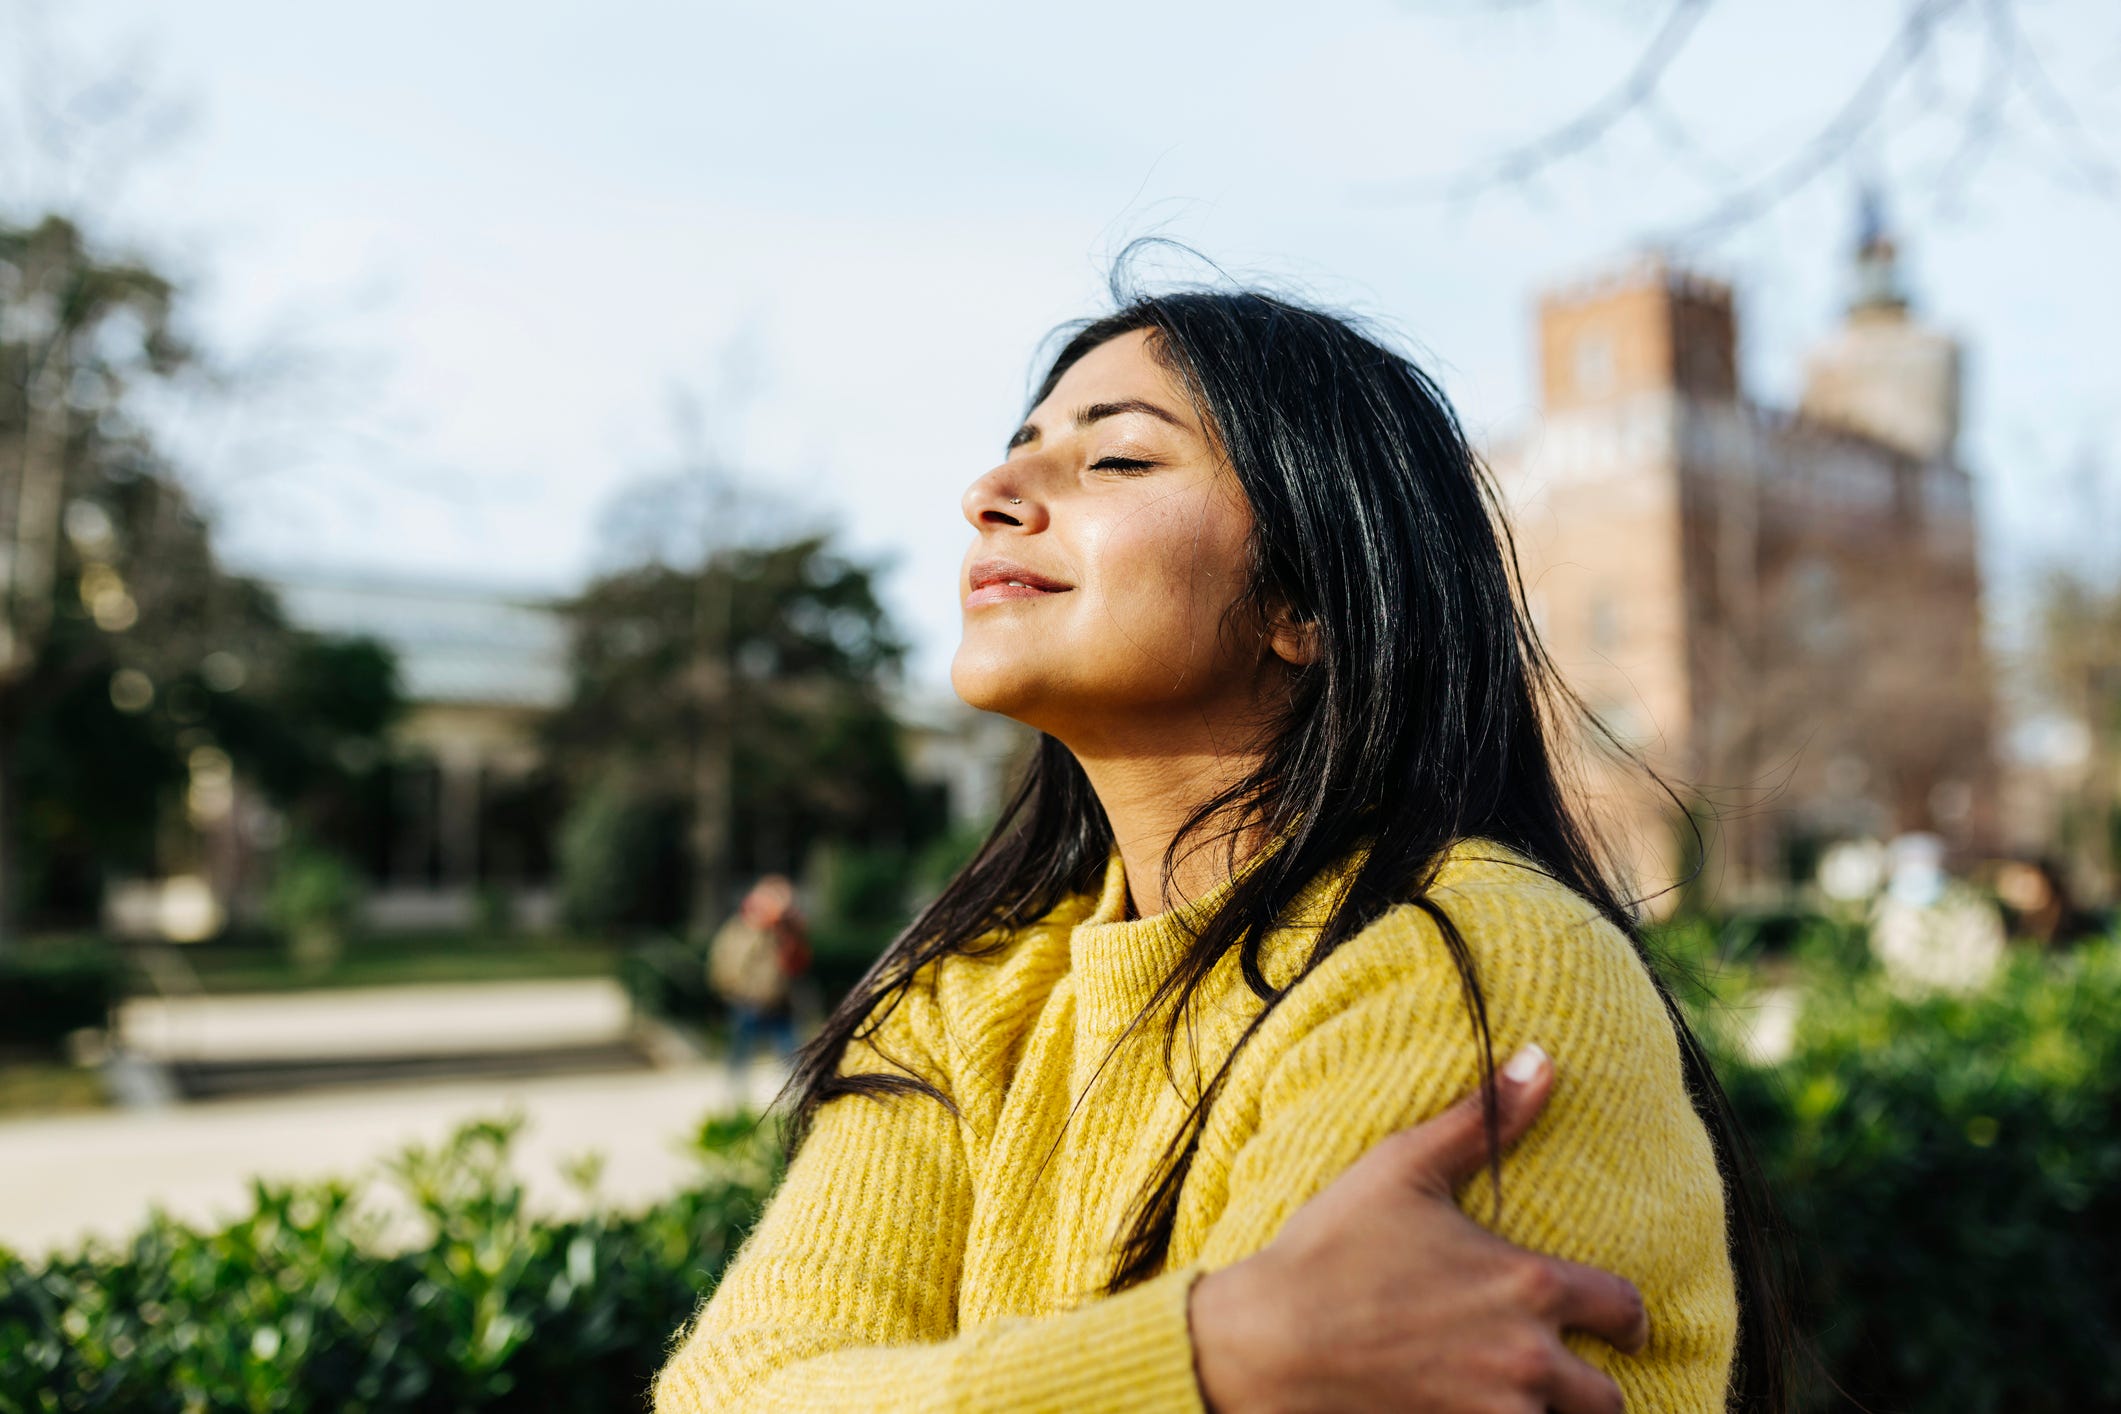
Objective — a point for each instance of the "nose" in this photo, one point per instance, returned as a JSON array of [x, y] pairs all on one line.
[[1002, 498]]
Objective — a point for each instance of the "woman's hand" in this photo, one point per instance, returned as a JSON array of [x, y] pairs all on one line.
[[1380, 1294]]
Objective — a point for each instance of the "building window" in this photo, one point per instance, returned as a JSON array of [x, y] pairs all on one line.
[[1594, 365]]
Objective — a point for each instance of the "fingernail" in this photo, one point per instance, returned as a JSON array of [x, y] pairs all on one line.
[[1524, 1067]]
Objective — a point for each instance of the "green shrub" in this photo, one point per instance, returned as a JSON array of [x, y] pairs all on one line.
[[859, 899], [314, 897], [1950, 1169], [47, 992], [866, 893], [622, 860], [667, 978], [306, 1305]]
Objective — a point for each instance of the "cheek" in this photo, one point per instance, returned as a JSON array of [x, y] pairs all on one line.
[[1166, 574]]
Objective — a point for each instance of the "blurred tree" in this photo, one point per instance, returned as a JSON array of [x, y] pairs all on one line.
[[768, 663], [76, 332], [132, 664], [622, 852], [310, 728]]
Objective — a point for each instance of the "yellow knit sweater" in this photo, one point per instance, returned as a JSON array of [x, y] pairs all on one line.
[[912, 1260]]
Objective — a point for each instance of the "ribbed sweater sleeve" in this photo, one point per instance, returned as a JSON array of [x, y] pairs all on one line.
[[844, 1296], [1617, 1172]]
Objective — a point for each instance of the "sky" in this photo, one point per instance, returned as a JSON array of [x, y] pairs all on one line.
[[467, 262]]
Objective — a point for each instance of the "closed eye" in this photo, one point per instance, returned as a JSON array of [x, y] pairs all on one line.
[[1121, 464]]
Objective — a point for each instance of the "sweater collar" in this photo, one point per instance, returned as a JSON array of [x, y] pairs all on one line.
[[1119, 962]]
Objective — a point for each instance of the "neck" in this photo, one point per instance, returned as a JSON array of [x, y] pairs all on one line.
[[1148, 795]]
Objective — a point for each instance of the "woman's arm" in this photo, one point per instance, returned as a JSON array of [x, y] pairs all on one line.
[[838, 1301], [1618, 1175], [1380, 1294], [766, 1342]]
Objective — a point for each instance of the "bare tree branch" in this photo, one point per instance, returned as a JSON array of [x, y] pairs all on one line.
[[1837, 137], [1669, 130], [1908, 74], [1983, 121], [1635, 89], [2100, 171], [1521, 164]]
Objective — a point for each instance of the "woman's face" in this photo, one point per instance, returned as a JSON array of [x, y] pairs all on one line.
[[1111, 546]]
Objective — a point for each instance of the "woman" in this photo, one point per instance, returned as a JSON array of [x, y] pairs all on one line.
[[1153, 1108]]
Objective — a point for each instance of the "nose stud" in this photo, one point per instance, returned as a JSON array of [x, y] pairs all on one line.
[[1016, 500]]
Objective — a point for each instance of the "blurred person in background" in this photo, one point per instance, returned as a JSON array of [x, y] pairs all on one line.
[[2039, 905], [1286, 938], [754, 965]]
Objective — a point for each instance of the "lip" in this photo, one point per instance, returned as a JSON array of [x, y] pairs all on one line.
[[993, 581]]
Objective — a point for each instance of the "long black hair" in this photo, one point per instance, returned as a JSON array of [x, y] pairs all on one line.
[[1430, 714]]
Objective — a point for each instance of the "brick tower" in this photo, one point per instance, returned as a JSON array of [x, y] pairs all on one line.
[[1779, 613]]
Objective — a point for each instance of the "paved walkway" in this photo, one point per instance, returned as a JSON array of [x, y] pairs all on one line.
[[378, 1021], [68, 1177]]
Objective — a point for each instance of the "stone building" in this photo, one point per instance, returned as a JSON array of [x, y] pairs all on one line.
[[1779, 611]]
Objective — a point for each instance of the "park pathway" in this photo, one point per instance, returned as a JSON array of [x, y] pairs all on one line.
[[64, 1178]]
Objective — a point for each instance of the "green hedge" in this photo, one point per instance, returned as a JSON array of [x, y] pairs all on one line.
[[1950, 1169], [666, 978], [301, 1306], [48, 991]]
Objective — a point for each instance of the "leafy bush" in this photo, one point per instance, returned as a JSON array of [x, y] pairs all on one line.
[[1949, 1167], [667, 978], [1950, 1170], [621, 860], [866, 893], [315, 895], [47, 992], [308, 1305], [860, 899]]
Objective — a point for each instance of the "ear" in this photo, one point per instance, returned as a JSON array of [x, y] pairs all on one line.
[[1294, 641]]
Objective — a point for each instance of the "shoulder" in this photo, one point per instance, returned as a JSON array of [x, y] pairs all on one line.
[[1534, 944], [1546, 966]]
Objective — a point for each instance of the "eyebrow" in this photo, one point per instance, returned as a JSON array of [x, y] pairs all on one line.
[[1098, 412]]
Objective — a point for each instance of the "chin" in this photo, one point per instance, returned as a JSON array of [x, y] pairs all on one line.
[[1000, 682], [985, 683]]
